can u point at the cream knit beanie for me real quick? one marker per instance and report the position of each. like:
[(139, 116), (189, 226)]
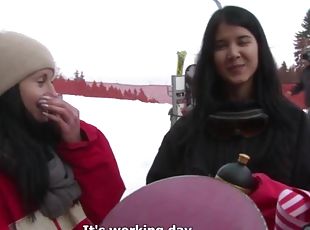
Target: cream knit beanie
[(21, 56)]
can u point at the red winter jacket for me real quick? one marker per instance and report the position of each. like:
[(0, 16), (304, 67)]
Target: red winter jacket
[(96, 172)]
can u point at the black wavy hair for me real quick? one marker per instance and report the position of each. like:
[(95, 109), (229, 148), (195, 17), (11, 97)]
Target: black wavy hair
[(207, 83), (25, 148)]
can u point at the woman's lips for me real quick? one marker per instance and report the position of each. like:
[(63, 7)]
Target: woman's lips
[(236, 68)]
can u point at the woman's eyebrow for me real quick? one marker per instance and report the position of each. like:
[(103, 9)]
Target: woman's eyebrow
[(245, 37), (219, 40)]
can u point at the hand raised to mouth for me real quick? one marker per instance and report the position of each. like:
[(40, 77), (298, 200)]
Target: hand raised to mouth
[(64, 115)]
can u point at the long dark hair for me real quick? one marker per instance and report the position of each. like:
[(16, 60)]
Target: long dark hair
[(207, 83), (25, 148)]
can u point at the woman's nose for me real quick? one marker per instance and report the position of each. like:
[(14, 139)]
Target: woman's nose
[(52, 90), (233, 52)]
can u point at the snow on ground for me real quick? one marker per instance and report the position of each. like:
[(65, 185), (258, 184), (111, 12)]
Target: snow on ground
[(134, 130)]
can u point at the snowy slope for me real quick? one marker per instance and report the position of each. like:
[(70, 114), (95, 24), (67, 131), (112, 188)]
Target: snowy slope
[(134, 129)]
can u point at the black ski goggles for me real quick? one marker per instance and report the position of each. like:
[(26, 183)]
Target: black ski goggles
[(248, 123)]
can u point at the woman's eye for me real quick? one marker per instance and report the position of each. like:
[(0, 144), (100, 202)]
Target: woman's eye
[(42, 80), (244, 42), (220, 46)]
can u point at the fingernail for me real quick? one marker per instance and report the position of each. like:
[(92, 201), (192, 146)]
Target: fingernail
[(44, 105), (46, 97), (42, 101)]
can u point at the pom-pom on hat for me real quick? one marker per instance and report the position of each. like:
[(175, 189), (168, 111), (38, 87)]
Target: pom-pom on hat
[(293, 209), (21, 56)]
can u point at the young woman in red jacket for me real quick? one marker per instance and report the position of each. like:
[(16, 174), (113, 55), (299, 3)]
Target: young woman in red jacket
[(56, 172)]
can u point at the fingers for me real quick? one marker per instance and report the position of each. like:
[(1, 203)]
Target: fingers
[(65, 116), (59, 107), (64, 113), (57, 101), (70, 131), (57, 119)]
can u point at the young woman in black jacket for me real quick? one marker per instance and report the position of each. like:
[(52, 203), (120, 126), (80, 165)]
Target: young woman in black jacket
[(239, 107)]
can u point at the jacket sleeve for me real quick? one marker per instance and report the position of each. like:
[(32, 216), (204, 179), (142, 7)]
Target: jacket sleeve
[(266, 196), (301, 173), (4, 220), (167, 162), (161, 167), (96, 171)]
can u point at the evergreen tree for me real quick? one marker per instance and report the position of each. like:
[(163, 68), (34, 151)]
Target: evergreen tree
[(283, 67), (82, 75), (302, 41), (76, 75), (141, 96)]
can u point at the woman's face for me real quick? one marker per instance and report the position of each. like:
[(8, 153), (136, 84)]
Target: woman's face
[(33, 88), (235, 55)]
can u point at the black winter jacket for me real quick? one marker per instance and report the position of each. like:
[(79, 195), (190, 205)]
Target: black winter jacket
[(282, 155)]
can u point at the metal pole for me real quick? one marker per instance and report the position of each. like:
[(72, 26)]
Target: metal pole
[(178, 97), (219, 5)]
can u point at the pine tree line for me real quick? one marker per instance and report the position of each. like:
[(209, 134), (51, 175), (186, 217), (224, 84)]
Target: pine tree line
[(302, 40)]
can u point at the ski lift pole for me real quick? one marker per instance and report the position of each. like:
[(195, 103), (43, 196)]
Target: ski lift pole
[(178, 92), (218, 4), (178, 89)]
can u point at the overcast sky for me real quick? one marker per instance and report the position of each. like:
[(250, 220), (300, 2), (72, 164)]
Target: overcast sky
[(135, 41)]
